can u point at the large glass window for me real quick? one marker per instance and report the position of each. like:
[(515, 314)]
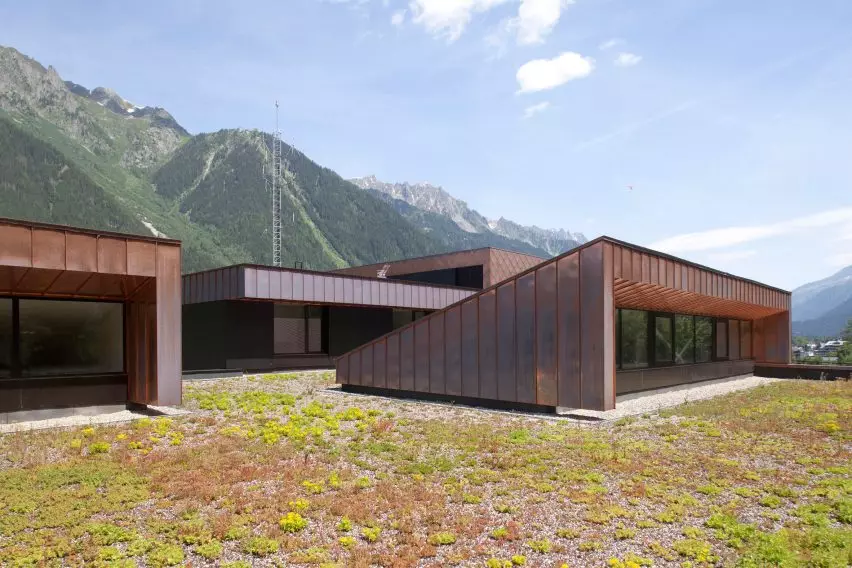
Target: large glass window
[(634, 339), (663, 339), (5, 337), (684, 339), (64, 338), (733, 339), (721, 339), (703, 339)]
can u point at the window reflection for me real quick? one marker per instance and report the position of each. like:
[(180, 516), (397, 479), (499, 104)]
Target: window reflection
[(64, 338), (684, 339), (634, 339), (663, 339), (703, 339)]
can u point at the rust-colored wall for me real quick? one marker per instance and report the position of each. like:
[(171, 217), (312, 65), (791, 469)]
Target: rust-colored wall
[(771, 338), (519, 342)]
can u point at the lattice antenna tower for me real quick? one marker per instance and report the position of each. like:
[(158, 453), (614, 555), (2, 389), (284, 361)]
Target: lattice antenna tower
[(275, 183)]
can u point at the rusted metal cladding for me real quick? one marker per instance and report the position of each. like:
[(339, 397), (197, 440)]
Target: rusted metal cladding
[(169, 352), (771, 339), (547, 336)]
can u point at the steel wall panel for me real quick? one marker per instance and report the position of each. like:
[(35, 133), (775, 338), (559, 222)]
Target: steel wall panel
[(383, 293), (437, 382), (367, 366), (319, 288), (488, 345), (374, 293), (348, 291), (366, 293), (394, 298), (338, 290), (421, 356), (379, 365), (112, 256), (299, 294), (568, 319), (355, 367), (81, 252), (263, 284), (48, 249), (393, 361), (406, 296), (547, 344), (406, 359), (343, 370), (592, 315), (506, 342), (525, 339), (452, 351), (470, 348), (357, 294), (16, 249), (308, 289), (275, 285), (169, 363)]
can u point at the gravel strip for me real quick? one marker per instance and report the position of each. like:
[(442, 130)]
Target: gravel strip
[(649, 402), (73, 421)]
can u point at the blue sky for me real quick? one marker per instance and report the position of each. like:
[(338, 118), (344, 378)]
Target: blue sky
[(731, 120)]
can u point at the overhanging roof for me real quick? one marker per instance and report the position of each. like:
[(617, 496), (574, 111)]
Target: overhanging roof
[(271, 284)]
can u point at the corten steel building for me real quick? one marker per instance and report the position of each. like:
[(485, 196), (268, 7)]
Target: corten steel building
[(252, 318), (87, 318), (603, 319)]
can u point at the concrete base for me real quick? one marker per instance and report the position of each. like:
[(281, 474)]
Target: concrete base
[(57, 413)]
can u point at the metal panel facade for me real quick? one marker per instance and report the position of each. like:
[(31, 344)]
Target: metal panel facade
[(547, 336)]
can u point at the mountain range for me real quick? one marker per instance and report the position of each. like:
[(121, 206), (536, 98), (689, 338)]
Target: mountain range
[(822, 308), (91, 158), (411, 199)]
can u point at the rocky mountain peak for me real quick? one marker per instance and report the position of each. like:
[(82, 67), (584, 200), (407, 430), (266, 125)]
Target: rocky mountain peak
[(435, 199)]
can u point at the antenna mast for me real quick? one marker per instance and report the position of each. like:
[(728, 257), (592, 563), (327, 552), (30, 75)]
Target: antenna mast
[(276, 192)]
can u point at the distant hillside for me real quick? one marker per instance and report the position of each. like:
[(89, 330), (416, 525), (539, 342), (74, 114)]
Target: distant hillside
[(823, 307), (469, 225)]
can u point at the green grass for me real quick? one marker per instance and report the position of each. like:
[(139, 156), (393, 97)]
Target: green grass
[(272, 469)]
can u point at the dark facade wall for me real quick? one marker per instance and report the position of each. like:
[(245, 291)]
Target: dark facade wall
[(67, 392), (350, 327), (659, 377), (215, 332), (204, 335), (465, 277), (250, 330)]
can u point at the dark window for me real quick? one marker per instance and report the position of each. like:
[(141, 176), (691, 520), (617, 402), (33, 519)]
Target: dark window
[(5, 337), (634, 339), (684, 339), (289, 329), (721, 339), (401, 318), (703, 339), (745, 339), (63, 338), (663, 339)]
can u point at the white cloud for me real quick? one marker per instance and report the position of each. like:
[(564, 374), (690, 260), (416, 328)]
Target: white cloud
[(732, 255), (625, 59), (543, 74), (610, 43), (730, 236), (537, 18), (533, 110), (448, 18), (398, 18)]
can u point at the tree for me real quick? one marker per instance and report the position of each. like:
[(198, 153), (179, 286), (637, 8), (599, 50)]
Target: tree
[(847, 333)]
